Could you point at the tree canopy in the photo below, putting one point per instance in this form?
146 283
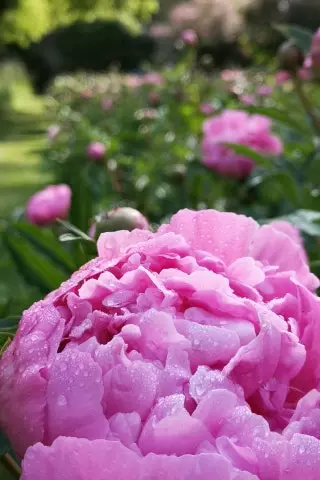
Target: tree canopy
23 21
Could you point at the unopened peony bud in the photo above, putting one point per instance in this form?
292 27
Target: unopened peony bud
45 206
290 57
96 150
120 218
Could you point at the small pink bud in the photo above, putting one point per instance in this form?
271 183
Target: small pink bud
247 99
207 109
189 37
282 77
264 91
96 150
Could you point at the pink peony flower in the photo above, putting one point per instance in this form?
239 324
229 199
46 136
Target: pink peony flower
189 353
282 77
264 91
189 37
207 109
96 150
46 206
53 131
236 126
247 99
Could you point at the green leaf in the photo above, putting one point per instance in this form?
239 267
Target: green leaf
44 241
280 116
308 221
37 266
301 36
9 324
82 201
250 153
79 234
288 186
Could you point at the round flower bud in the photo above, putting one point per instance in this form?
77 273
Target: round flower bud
290 57
119 218
96 150
189 37
45 206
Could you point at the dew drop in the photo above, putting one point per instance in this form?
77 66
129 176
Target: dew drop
62 401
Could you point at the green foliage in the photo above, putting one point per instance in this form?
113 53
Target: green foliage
301 36
17 24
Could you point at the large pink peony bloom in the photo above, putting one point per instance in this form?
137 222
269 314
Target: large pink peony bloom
190 353
46 206
236 126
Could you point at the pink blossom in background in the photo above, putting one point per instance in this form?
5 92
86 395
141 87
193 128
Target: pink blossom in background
134 81
53 131
189 37
45 206
236 126
87 93
247 99
153 78
264 90
160 30
189 353
282 77
207 109
106 104
231 75
96 150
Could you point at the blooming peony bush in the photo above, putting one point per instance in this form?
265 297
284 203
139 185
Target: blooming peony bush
53 202
236 126
187 353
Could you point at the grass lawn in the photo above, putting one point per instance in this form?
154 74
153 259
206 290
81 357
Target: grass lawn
22 134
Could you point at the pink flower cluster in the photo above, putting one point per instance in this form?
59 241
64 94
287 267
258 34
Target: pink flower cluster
150 78
236 126
45 206
189 353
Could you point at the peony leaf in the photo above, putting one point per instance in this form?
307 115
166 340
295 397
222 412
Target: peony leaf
308 221
250 153
42 267
301 36
280 116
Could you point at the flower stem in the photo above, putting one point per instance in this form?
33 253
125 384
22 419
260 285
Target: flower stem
11 465
307 105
